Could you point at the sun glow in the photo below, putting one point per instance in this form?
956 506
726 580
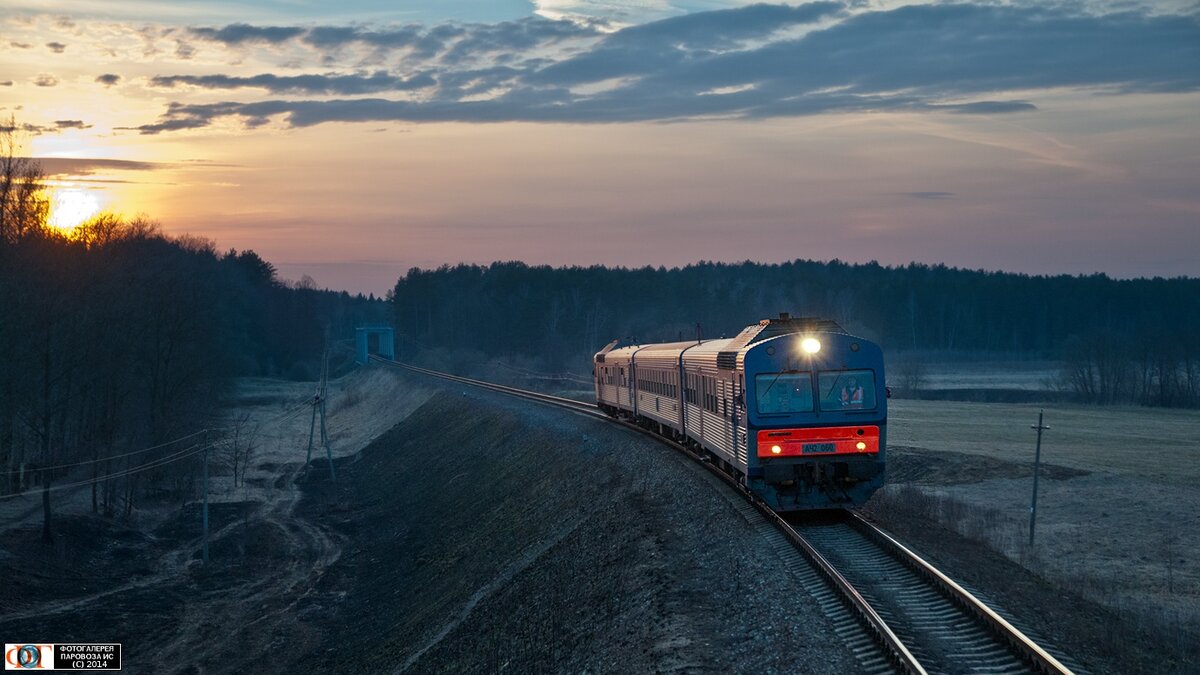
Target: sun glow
71 207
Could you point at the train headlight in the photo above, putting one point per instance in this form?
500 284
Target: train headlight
775 449
810 345
861 446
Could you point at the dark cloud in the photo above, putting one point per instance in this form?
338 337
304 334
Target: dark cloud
6 83
45 80
423 43
39 129
304 84
241 33
990 107
456 42
56 47
170 123
108 79
511 37
929 195
20 45
29 128
67 166
340 36
672 42
184 51
741 63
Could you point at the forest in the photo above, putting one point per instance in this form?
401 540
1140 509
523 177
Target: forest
121 343
1120 340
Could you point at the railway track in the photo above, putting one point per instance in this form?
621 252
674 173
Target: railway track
894 610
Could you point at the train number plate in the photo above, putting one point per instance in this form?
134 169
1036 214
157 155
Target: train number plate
811 448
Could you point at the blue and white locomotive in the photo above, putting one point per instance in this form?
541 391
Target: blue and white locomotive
795 408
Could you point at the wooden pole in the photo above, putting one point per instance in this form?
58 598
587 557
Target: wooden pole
1037 462
205 552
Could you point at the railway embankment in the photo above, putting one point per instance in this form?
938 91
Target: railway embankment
488 534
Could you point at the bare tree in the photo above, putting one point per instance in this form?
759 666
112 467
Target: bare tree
23 204
910 374
239 447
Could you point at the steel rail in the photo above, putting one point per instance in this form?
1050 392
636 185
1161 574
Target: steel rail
577 406
895 649
1026 648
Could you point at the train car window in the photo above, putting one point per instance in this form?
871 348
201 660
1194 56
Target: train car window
847 390
783 393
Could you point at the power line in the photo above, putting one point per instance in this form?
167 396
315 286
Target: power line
279 418
154 464
127 454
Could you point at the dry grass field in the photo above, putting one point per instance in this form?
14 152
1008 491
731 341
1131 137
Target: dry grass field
1159 444
1117 503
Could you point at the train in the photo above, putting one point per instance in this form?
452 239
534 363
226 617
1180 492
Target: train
794 408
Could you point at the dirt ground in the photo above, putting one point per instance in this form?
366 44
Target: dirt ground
1116 539
140 581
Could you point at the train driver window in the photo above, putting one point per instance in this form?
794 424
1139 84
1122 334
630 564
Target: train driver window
781 393
848 390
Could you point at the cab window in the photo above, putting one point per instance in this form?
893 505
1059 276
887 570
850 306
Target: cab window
783 393
847 390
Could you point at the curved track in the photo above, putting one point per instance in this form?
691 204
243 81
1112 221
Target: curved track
894 610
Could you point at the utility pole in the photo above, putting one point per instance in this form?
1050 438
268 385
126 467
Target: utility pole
324 433
1037 461
318 404
205 554
312 426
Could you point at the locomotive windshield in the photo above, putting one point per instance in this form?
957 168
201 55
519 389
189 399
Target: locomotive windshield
848 390
784 393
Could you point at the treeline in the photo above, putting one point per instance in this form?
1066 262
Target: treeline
1125 340
116 337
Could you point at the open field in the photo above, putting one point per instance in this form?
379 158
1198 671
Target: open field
1159 444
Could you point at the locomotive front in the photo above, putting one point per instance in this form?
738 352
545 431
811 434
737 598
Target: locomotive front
816 420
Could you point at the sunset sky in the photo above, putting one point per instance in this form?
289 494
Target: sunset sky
352 140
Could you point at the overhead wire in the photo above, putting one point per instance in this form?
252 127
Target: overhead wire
125 454
161 461
153 464
279 418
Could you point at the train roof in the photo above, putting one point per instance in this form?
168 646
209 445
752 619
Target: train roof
651 349
725 349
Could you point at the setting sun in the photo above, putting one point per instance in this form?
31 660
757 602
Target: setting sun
70 207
